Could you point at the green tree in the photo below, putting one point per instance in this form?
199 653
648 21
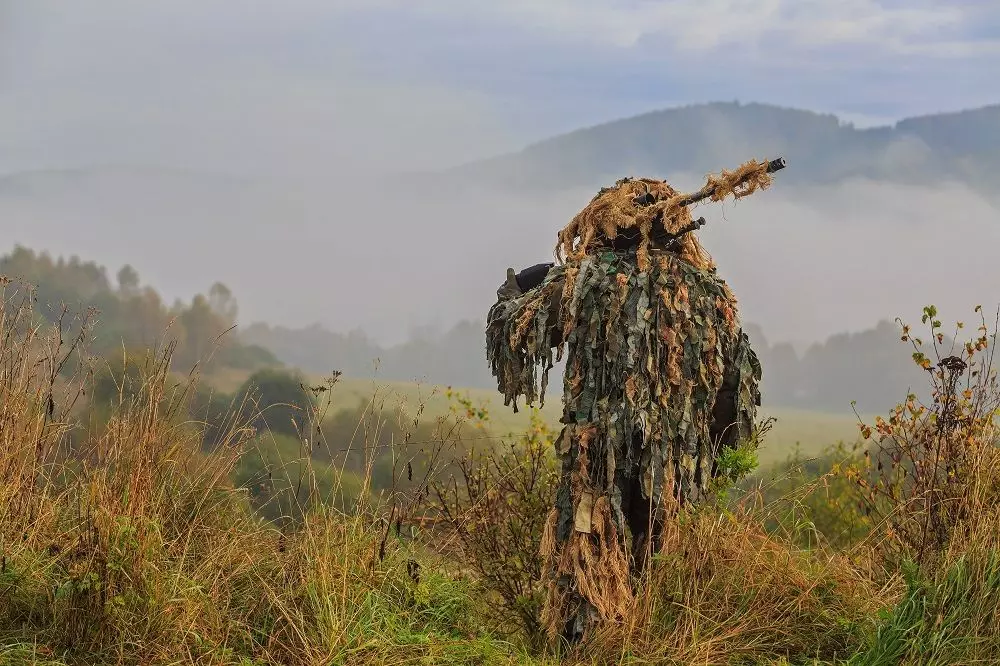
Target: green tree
128 280
278 401
223 303
202 327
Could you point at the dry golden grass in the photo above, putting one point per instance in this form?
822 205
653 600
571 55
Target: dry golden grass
726 590
129 545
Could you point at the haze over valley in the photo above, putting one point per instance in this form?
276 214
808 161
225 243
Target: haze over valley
356 211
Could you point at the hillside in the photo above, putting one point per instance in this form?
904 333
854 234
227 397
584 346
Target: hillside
962 146
698 138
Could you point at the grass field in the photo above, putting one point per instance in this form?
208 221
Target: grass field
150 549
811 431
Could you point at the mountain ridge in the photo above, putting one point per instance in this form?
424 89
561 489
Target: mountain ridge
627 145
702 138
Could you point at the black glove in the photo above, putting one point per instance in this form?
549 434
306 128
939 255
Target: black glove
524 281
509 289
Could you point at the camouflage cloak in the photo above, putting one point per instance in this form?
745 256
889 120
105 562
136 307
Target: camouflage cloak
659 375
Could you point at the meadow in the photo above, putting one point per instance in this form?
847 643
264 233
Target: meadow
130 534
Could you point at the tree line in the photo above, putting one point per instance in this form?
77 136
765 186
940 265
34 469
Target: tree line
865 366
133 315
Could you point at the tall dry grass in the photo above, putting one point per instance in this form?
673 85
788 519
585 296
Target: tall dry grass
129 544
897 560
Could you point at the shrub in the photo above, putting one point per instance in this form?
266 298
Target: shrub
496 510
281 403
928 471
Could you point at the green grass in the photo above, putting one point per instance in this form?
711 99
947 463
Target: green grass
810 431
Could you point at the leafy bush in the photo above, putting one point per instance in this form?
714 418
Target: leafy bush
923 477
279 400
496 510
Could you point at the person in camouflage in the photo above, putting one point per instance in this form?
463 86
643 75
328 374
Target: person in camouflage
659 377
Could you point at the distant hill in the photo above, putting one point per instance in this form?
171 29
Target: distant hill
820 149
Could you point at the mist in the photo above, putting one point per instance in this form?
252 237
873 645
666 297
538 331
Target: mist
805 263
198 143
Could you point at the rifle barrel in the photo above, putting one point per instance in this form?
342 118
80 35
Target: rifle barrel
772 166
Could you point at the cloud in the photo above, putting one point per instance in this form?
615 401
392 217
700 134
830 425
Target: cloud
593 60
222 86
819 260
231 83
705 25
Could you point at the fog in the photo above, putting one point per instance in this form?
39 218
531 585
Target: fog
804 264
198 143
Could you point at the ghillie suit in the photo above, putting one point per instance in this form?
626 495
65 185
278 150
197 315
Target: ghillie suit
659 376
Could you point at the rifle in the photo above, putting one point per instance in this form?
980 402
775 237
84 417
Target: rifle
707 191
628 238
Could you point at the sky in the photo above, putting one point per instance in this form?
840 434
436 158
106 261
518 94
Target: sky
195 82
316 102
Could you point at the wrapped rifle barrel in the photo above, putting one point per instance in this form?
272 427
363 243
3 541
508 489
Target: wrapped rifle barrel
711 188
709 191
